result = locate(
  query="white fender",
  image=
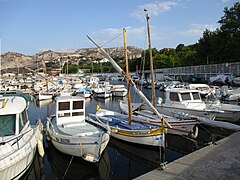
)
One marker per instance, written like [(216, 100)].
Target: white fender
[(40, 145), (194, 133), (159, 101)]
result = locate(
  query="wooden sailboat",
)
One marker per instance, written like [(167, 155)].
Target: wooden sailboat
[(127, 127), (180, 126)]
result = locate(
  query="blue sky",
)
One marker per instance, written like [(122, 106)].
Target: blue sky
[(31, 26)]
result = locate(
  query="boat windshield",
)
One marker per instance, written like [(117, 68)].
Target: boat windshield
[(7, 125)]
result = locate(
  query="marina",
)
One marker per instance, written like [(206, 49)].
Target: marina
[(116, 111), (120, 159)]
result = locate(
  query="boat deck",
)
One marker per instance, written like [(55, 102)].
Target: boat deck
[(217, 161)]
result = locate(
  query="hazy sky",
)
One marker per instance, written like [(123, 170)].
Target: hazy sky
[(30, 26)]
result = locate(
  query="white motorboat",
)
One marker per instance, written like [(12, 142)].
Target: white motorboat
[(189, 101), (19, 139), (119, 90), (185, 101), (43, 95), (231, 111), (204, 89), (102, 93), (72, 133)]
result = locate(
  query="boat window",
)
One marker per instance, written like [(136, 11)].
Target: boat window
[(174, 96), (186, 96), (63, 114), (22, 119), (196, 95), (64, 106), (77, 104), (7, 125), (77, 113)]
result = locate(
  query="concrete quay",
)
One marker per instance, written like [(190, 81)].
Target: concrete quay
[(217, 161)]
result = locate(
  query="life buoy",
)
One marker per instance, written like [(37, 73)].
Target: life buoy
[(194, 132)]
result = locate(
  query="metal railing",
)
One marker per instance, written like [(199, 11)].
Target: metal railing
[(203, 71)]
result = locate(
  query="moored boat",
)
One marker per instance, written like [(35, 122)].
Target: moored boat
[(72, 133), (19, 139)]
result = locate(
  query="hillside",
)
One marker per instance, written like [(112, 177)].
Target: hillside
[(12, 61)]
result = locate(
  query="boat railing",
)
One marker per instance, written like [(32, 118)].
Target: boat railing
[(17, 138)]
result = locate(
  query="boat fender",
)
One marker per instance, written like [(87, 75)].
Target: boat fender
[(40, 148), (48, 136), (98, 107), (194, 132), (159, 101)]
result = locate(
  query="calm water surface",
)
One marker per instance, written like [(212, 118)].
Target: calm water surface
[(120, 160)]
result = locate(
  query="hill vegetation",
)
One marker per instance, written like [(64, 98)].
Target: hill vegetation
[(218, 46)]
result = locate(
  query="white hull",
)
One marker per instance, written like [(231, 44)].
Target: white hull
[(16, 170), (120, 93), (231, 112), (44, 96), (148, 141), (137, 132), (102, 94), (89, 147), (85, 95), (169, 110), (17, 162), (81, 146)]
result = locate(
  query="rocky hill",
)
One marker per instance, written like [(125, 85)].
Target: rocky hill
[(12, 61)]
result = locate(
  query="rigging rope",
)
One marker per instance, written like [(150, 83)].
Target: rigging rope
[(120, 34)]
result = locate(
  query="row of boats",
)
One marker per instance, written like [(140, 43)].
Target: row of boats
[(73, 132)]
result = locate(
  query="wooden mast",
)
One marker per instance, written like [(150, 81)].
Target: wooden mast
[(45, 72), (151, 62), (127, 76)]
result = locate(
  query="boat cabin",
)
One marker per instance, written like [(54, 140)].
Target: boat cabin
[(13, 115), (70, 110), (184, 98)]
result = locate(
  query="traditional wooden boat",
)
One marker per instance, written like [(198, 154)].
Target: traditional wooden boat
[(71, 132), (127, 127), (19, 139)]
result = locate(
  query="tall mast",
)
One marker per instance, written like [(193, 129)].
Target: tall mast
[(127, 76), (45, 72), (151, 62)]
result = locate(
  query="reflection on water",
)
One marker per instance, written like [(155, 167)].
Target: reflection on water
[(68, 167), (36, 169)]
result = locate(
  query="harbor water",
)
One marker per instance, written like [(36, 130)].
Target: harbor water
[(120, 160)]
